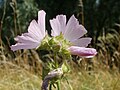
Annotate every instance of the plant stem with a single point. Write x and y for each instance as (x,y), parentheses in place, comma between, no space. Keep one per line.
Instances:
(81,11)
(58,85)
(50,87)
(55,59)
(1,22)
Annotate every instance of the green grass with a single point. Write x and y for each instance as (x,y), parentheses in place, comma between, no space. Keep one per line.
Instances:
(13,77)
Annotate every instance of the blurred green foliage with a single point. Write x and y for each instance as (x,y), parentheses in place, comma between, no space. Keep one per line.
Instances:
(100,15)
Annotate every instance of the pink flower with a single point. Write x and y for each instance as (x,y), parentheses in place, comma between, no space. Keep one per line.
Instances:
(82,51)
(34,36)
(72,30)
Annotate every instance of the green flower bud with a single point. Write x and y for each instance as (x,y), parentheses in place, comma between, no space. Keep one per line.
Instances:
(65,68)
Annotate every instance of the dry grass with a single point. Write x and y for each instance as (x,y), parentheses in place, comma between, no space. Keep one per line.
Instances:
(16,78)
(13,77)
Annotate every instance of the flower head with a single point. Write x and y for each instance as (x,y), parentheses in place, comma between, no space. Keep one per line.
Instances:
(34,36)
(72,30)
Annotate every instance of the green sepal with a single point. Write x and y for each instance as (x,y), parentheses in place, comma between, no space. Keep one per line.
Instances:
(65,67)
(44,44)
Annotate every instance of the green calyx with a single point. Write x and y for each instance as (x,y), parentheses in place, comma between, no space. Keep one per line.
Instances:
(55,44)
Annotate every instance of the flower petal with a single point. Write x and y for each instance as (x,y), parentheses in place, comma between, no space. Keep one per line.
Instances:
(62,21)
(25,41)
(82,42)
(41,21)
(58,25)
(23,46)
(73,29)
(36,32)
(38,29)
(26,38)
(82,51)
(55,29)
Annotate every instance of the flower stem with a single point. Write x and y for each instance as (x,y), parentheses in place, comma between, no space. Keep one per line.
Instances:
(58,85)
(55,59)
(50,87)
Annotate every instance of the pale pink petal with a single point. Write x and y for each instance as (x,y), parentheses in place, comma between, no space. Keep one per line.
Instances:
(58,25)
(82,42)
(73,29)
(23,46)
(38,29)
(26,38)
(35,30)
(55,27)
(41,21)
(62,21)
(82,51)
(25,41)
(54,33)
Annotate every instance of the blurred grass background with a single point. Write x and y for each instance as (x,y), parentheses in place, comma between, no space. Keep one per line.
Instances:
(21,70)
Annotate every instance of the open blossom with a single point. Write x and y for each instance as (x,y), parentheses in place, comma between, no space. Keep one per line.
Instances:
(73,31)
(34,36)
(82,51)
